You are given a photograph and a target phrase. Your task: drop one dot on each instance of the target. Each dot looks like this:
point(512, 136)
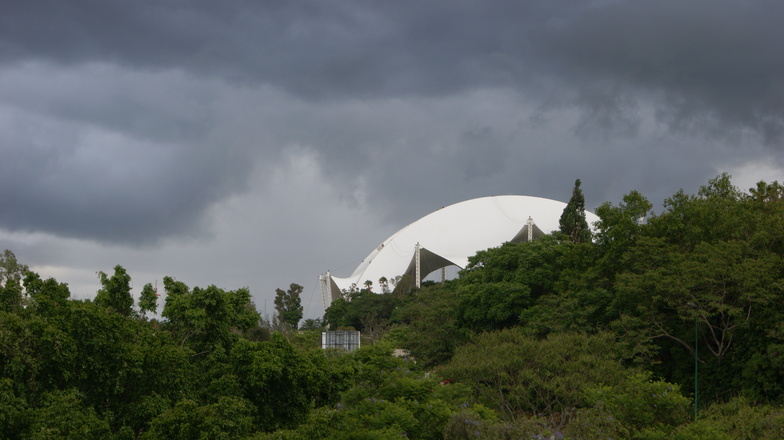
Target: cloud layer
point(286, 138)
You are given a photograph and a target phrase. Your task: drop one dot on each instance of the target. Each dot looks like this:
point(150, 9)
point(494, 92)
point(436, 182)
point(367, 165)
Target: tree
point(705, 274)
point(336, 314)
point(11, 274)
point(492, 306)
point(229, 417)
point(285, 384)
point(148, 301)
point(738, 418)
point(10, 269)
point(383, 282)
point(517, 375)
point(499, 284)
point(206, 318)
point(12, 408)
point(637, 407)
point(288, 304)
point(93, 354)
point(618, 226)
point(63, 415)
point(47, 296)
point(719, 283)
point(618, 229)
point(403, 285)
point(313, 324)
point(116, 291)
point(572, 222)
point(767, 207)
point(431, 333)
point(362, 310)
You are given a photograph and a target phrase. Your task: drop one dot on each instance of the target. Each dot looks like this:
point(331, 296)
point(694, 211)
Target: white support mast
point(325, 280)
point(418, 261)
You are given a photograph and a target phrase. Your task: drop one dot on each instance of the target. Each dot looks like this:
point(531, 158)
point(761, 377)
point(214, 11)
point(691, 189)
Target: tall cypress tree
point(572, 222)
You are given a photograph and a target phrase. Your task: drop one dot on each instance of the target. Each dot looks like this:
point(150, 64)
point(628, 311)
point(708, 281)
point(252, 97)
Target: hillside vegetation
point(665, 325)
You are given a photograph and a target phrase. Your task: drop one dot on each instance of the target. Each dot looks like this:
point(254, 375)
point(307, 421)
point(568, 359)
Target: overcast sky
point(248, 143)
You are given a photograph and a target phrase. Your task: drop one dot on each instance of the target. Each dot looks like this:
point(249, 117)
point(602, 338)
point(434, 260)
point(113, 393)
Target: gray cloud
point(711, 53)
point(247, 134)
point(309, 48)
point(712, 63)
point(106, 158)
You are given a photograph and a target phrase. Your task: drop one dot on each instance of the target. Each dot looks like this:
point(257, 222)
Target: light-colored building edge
point(448, 237)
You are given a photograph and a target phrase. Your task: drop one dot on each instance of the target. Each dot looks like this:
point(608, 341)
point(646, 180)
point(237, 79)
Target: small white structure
point(448, 237)
point(344, 340)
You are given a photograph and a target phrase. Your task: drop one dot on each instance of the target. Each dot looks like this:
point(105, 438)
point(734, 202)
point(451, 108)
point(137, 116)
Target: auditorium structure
point(448, 237)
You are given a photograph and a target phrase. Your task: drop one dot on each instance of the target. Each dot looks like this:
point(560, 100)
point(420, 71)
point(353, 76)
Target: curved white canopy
point(452, 234)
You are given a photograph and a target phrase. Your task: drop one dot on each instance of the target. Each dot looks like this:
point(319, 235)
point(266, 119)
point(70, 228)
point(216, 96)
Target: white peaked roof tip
point(450, 235)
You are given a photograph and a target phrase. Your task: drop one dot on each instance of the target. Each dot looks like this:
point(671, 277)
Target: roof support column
point(417, 262)
point(326, 290)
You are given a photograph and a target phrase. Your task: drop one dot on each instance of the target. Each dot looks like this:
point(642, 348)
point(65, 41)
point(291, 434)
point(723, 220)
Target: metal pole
point(696, 368)
point(418, 266)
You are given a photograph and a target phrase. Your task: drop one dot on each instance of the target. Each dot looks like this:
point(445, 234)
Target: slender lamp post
point(696, 368)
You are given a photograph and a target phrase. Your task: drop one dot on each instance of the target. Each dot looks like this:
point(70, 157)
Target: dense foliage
point(560, 337)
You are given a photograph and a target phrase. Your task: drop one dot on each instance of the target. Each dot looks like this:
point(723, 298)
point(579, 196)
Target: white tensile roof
point(452, 234)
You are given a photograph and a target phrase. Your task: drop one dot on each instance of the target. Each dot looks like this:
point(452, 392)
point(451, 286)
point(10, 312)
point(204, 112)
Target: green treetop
point(148, 301)
point(116, 291)
point(11, 275)
point(572, 222)
point(288, 304)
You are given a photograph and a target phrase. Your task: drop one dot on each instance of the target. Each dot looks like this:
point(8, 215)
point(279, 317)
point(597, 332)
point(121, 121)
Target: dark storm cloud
point(710, 61)
point(311, 48)
point(118, 126)
point(100, 153)
point(156, 107)
point(124, 198)
point(481, 154)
